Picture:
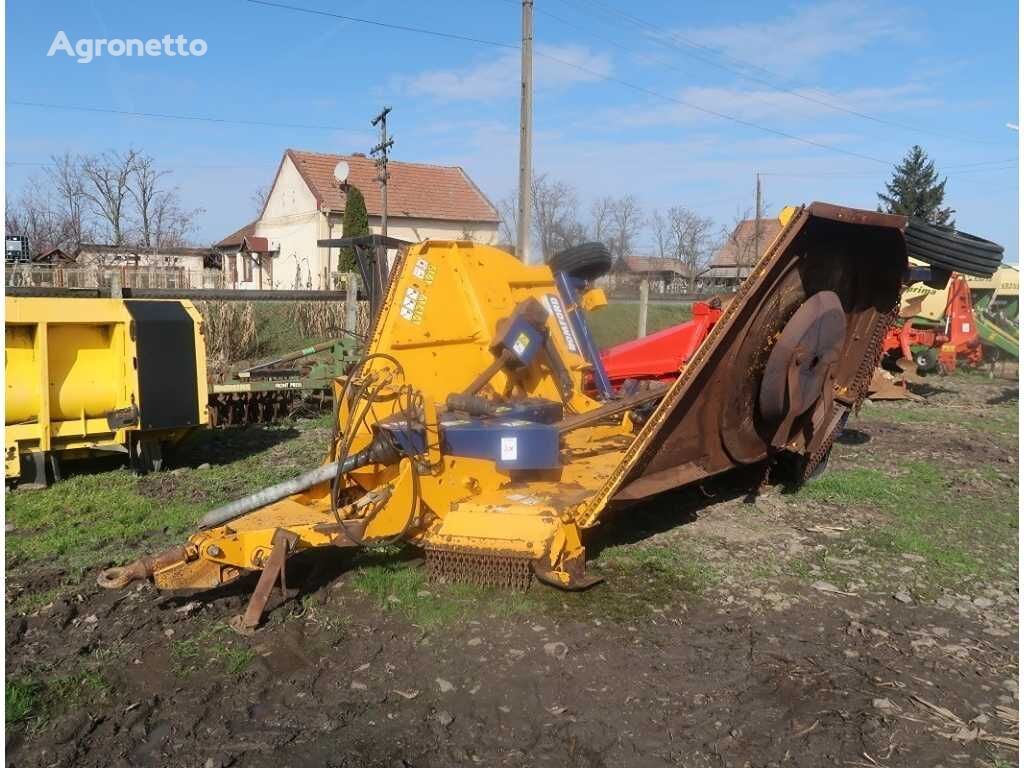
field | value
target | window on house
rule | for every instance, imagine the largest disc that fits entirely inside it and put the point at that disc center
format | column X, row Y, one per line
column 246, row 268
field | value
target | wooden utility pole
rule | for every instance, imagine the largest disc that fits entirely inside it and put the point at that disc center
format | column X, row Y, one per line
column 525, row 138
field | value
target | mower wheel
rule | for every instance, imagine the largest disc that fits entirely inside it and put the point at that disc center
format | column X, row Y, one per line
column 587, row 261
column 927, row 360
column 949, row 249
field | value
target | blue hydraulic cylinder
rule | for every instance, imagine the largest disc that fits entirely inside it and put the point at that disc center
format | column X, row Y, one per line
column 568, row 289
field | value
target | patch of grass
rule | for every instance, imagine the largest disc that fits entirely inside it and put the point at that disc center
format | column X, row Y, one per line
column 216, row 645
column 327, row 619
column 21, row 696
column 797, row 567
column 34, row 699
column 27, row 602
column 853, row 487
column 680, row 567
column 281, row 327
column 763, row 570
column 89, row 519
column 397, row 585
column 929, row 516
column 618, row 321
column 997, row 420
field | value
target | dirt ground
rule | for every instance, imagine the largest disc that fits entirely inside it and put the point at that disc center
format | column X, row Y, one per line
column 869, row 619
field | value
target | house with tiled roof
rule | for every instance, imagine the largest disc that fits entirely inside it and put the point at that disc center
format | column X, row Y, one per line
column 306, row 203
column 734, row 260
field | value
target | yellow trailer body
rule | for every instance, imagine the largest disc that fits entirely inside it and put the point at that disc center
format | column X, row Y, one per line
column 94, row 376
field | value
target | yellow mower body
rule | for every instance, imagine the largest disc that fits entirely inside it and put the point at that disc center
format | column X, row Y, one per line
column 791, row 356
column 439, row 320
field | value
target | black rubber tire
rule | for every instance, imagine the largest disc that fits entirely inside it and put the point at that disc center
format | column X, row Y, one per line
column 947, row 248
column 587, row 261
column 927, row 360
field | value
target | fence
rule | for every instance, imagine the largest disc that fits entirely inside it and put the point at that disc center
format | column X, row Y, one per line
column 627, row 288
column 46, row 276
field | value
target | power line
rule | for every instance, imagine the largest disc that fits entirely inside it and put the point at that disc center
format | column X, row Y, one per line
column 579, row 67
column 658, row 34
column 170, row 116
column 960, row 170
column 385, row 24
column 218, row 166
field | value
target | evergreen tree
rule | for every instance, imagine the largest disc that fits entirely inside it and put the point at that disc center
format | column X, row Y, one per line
column 915, row 190
column 353, row 224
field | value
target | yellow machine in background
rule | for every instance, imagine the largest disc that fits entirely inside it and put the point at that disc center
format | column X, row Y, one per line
column 480, row 425
column 94, row 376
column 920, row 300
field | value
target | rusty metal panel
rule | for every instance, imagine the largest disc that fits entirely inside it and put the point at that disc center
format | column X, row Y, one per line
column 710, row 422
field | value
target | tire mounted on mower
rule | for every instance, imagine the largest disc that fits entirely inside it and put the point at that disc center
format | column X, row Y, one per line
column 952, row 250
column 587, row 261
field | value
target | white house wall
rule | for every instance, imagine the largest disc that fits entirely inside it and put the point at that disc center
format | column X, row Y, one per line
column 417, row 230
column 291, row 223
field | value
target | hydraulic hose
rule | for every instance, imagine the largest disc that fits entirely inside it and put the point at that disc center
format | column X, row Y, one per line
column 269, row 495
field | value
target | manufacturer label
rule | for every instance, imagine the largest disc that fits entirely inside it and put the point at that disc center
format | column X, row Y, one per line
column 413, row 305
column 555, row 305
column 509, row 448
column 424, row 270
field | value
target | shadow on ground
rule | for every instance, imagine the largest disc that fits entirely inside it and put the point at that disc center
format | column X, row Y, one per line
column 229, row 444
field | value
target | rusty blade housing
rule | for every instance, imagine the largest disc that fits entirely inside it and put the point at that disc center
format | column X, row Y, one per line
column 709, row 421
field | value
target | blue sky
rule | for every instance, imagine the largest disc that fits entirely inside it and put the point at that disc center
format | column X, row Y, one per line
column 946, row 72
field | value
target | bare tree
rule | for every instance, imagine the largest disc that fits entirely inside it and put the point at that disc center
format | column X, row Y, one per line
column 162, row 222
column 690, row 241
column 745, row 241
column 171, row 223
column 626, row 223
column 508, row 211
column 106, row 182
column 34, row 215
column 144, row 189
column 555, row 221
column 65, row 177
column 601, row 218
column 660, row 232
column 259, row 199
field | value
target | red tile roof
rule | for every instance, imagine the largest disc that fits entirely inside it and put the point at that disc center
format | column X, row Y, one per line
column 415, row 190
column 738, row 249
column 641, row 264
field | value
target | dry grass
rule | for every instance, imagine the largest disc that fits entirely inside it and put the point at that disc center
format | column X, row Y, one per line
column 229, row 328
column 319, row 319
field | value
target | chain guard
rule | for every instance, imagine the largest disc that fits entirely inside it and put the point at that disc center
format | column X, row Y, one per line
column 479, row 568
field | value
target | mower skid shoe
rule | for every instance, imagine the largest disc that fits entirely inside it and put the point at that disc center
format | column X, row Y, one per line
column 283, row 543
column 572, row 577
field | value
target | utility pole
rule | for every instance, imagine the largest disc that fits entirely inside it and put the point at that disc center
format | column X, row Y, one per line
column 381, row 154
column 525, row 138
column 757, row 220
